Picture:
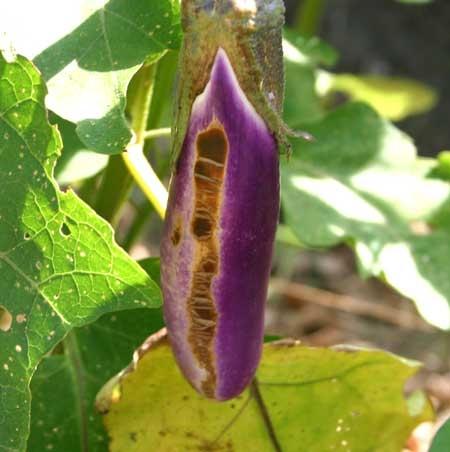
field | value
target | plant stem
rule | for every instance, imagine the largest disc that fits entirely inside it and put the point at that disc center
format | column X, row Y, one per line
column 309, row 15
column 145, row 177
column 133, row 157
column 140, row 101
column 155, row 133
column 163, row 83
column 117, row 181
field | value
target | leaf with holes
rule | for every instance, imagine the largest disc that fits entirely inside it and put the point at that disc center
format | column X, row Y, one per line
column 59, row 264
column 321, row 399
column 88, row 53
column 360, row 182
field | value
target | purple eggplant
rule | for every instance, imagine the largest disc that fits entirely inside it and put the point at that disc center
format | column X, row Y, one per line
column 220, row 227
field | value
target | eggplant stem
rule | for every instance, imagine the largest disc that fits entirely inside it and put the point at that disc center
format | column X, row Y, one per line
column 145, row 177
column 156, row 133
column 136, row 162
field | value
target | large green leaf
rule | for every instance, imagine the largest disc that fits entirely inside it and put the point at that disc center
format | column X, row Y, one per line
column 360, row 182
column 306, row 399
column 59, row 264
column 87, row 52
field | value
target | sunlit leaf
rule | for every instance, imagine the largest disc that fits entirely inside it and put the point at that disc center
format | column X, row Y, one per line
column 392, row 97
column 59, row 263
column 442, row 168
column 360, row 182
column 88, row 52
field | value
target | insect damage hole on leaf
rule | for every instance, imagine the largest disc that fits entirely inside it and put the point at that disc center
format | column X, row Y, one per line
column 65, row 230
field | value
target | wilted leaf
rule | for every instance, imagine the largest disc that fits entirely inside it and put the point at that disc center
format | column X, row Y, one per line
column 360, row 182
column 88, row 53
column 392, row 97
column 306, row 399
column 59, row 263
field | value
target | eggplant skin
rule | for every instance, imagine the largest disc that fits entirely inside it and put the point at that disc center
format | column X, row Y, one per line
column 218, row 237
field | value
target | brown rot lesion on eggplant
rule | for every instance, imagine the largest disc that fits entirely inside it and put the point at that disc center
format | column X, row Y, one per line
column 176, row 235
column 212, row 150
column 177, row 231
column 209, row 172
column 212, row 145
column 202, row 227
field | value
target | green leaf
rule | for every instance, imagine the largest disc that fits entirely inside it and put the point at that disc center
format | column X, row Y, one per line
column 315, row 399
column 301, row 101
column 394, row 98
column 441, row 442
column 59, row 263
column 88, row 53
column 442, row 168
column 76, row 162
column 89, row 357
column 313, row 49
column 360, row 182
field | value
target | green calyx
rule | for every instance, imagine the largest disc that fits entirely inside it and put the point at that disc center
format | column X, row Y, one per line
column 250, row 32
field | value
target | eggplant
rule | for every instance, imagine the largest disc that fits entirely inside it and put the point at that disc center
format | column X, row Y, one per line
column 224, row 195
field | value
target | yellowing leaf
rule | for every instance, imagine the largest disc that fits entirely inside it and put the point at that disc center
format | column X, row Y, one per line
column 306, row 399
column 392, row 97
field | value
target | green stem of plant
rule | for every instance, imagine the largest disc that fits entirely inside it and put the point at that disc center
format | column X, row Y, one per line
column 117, row 180
column 140, row 102
column 134, row 158
column 155, row 133
column 163, row 83
column 145, row 177
column 309, row 16
column 145, row 110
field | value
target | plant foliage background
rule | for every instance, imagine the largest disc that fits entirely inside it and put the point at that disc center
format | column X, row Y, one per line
column 74, row 305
